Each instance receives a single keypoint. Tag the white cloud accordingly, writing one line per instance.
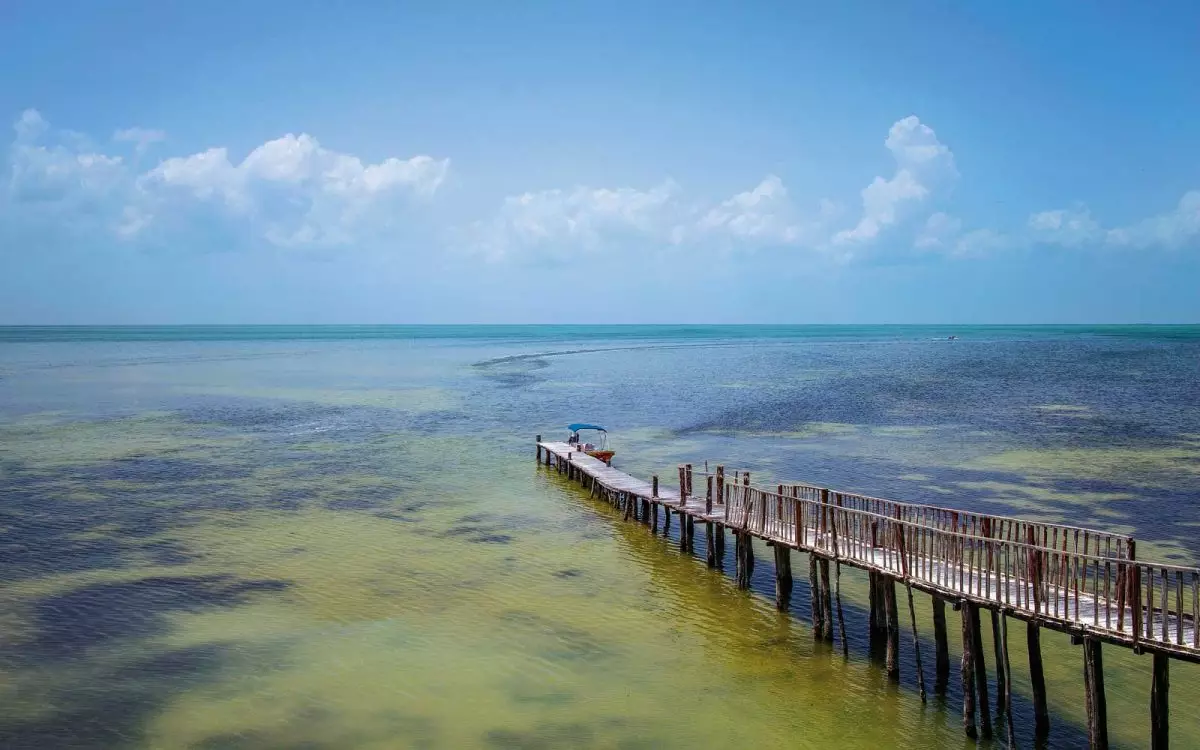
(58, 172)
(288, 191)
(1069, 227)
(980, 242)
(923, 164)
(1172, 229)
(940, 232)
(142, 138)
(763, 214)
(581, 217)
(562, 221)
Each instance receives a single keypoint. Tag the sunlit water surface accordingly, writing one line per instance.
(338, 538)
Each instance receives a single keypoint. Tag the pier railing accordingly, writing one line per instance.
(1080, 579)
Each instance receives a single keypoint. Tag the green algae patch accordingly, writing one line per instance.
(414, 400)
(1128, 465)
(59, 444)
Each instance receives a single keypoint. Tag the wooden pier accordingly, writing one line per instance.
(1084, 582)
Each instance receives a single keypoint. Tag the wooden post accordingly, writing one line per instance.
(826, 603)
(708, 495)
(1160, 706)
(980, 670)
(1097, 710)
(719, 530)
(666, 520)
(826, 589)
(1037, 679)
(653, 518)
(941, 669)
(967, 670)
(538, 443)
(875, 615)
(1001, 666)
(710, 544)
(721, 485)
(814, 590)
(745, 558)
(691, 533)
(893, 629)
(646, 511)
(683, 488)
(783, 577)
(1012, 740)
(912, 616)
(654, 486)
(689, 479)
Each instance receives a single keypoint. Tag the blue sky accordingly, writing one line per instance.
(599, 162)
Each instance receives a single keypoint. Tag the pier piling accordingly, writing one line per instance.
(941, 669)
(1097, 705)
(1160, 706)
(783, 577)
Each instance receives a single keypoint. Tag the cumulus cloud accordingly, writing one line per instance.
(587, 218)
(923, 164)
(141, 138)
(579, 218)
(940, 232)
(58, 172)
(765, 215)
(1173, 229)
(1069, 227)
(288, 191)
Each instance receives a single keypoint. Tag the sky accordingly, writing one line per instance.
(388, 162)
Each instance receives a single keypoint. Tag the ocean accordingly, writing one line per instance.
(337, 536)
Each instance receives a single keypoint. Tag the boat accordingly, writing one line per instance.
(598, 450)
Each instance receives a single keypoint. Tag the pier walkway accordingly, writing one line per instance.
(1085, 582)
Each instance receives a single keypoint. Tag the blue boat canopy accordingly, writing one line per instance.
(577, 427)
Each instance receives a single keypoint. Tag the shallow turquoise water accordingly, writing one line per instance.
(271, 536)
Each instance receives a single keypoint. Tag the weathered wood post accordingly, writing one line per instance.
(1037, 680)
(814, 591)
(654, 504)
(876, 616)
(743, 547)
(893, 628)
(1012, 739)
(538, 443)
(1160, 706)
(689, 479)
(967, 670)
(837, 586)
(912, 616)
(1097, 707)
(710, 544)
(980, 671)
(826, 589)
(783, 577)
(684, 530)
(941, 670)
(708, 495)
(1001, 665)
(720, 484)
